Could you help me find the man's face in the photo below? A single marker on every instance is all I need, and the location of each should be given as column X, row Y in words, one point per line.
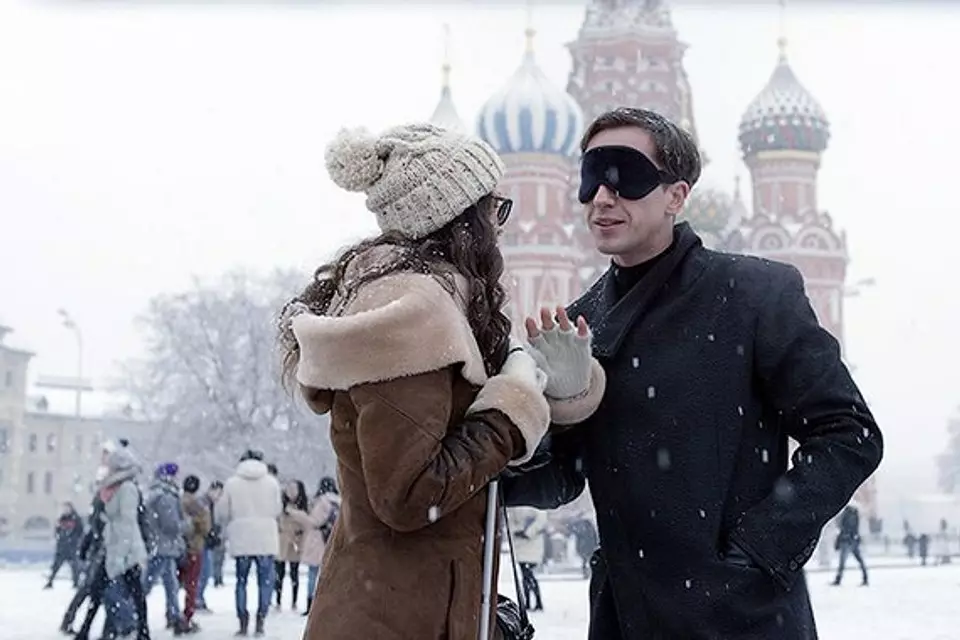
column 215, row 494
column 633, row 231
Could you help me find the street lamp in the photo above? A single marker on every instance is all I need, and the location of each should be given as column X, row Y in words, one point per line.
column 69, row 323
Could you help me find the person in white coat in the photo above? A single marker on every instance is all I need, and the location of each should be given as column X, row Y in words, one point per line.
column 248, row 512
column 528, row 527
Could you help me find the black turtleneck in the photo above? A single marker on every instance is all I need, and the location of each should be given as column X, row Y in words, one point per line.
column 624, row 278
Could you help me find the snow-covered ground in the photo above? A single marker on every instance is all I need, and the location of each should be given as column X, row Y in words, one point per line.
column 909, row 603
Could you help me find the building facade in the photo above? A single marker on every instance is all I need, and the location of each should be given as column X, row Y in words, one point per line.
column 47, row 458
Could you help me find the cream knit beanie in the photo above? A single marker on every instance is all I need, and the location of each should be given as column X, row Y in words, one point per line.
column 418, row 177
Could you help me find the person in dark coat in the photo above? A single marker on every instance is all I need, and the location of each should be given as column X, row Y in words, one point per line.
column 92, row 553
column 848, row 542
column 585, row 535
column 712, row 361
column 69, row 533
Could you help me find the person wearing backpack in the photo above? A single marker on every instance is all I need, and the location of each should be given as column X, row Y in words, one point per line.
column 318, row 525
column 167, row 527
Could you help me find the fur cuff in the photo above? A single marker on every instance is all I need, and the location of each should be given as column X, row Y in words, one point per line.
column 568, row 411
column 524, row 405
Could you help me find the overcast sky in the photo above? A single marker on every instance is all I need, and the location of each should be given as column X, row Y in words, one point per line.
column 140, row 146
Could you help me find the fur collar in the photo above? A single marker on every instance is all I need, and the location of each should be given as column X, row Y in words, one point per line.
column 399, row 325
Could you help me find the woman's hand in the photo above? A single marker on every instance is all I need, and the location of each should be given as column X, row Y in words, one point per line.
column 562, row 351
column 522, row 366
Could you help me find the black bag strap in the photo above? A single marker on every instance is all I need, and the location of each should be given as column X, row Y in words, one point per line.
column 521, row 600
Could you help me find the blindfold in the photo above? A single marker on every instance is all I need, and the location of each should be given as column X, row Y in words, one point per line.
column 623, row 170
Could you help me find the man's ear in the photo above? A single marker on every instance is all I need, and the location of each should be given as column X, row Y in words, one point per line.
column 676, row 197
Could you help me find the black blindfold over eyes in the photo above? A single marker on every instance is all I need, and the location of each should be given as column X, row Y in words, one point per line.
column 624, row 170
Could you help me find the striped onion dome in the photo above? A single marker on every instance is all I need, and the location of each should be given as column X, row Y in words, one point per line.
column 531, row 114
column 784, row 116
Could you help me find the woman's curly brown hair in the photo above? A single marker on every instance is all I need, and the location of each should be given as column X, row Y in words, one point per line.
column 466, row 247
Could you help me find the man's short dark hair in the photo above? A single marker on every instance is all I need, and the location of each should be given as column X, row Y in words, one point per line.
column 191, row 484
column 677, row 151
column 252, row 454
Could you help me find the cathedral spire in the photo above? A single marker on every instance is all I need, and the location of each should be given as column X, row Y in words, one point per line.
column 445, row 115
column 445, row 68
column 529, row 32
column 782, row 39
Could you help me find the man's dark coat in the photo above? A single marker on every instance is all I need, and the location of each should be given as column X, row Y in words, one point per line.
column 713, row 360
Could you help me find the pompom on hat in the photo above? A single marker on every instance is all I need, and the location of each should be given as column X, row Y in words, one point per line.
column 418, row 177
column 167, row 470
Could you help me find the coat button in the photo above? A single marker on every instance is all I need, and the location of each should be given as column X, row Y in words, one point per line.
column 793, row 565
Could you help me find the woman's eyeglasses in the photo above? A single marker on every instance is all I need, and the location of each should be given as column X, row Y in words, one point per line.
column 504, row 207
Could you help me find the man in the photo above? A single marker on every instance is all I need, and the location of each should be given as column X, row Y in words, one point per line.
column 213, row 548
column 712, row 361
column 198, row 517
column 848, row 543
column 248, row 512
column 69, row 533
column 167, row 528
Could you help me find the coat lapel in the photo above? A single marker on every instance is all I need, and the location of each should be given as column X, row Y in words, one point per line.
column 613, row 319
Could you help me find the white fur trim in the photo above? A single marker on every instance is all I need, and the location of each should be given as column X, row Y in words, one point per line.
column 399, row 325
column 569, row 411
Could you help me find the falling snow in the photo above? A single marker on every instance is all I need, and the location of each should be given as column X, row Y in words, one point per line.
column 663, row 459
column 651, row 392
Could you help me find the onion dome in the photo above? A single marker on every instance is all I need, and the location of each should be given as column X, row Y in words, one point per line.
column 784, row 116
column 708, row 210
column 531, row 114
column 445, row 115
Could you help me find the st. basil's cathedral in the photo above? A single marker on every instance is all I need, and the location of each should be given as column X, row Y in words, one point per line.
column 628, row 53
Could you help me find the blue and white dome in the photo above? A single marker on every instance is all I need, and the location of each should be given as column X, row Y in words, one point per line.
column 531, row 114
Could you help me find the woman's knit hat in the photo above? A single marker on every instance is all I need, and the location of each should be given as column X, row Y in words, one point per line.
column 167, row 470
column 418, row 177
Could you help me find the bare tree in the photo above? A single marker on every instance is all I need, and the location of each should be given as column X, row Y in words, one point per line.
column 949, row 461
column 210, row 379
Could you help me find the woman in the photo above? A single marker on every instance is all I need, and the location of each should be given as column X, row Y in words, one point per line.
column 291, row 534
column 403, row 341
column 125, row 553
column 317, row 526
column 529, row 529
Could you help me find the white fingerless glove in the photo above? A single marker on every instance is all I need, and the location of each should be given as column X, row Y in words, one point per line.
column 566, row 359
column 522, row 366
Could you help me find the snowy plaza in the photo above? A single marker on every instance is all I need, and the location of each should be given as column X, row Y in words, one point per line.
column 903, row 602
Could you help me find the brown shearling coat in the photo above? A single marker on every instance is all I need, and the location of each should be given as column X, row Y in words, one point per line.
column 419, row 431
